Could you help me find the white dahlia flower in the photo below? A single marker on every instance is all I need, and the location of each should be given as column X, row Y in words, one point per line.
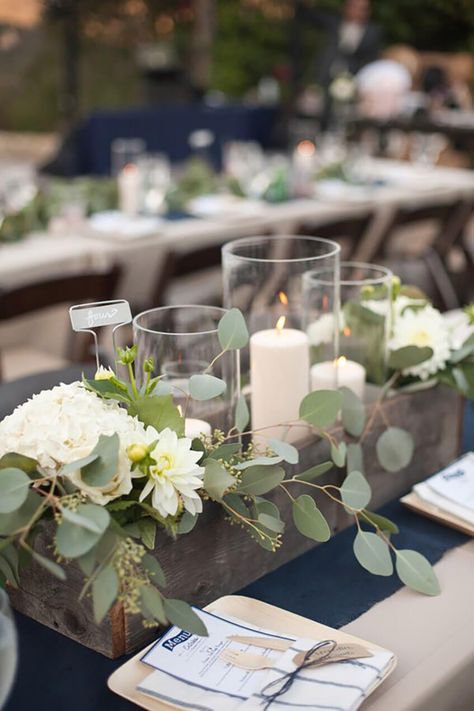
column 459, row 326
column 423, row 327
column 62, row 425
column 174, row 479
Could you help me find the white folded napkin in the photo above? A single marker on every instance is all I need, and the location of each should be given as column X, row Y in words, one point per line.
column 452, row 489
column 340, row 686
column 190, row 674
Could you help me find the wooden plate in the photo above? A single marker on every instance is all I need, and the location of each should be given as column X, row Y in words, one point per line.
column 124, row 681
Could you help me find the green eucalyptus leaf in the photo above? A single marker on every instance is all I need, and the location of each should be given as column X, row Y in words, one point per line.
column 78, row 464
column 237, row 504
column 87, row 562
column 11, row 522
column 353, row 412
column 187, row 522
column 416, row 572
column 273, row 523
column 49, row 565
column 10, row 553
column 72, row 540
column 152, row 604
column 408, row 356
column 286, row 451
column 154, row 569
column 225, row 451
column 418, row 386
column 258, row 461
column 259, row 479
column 309, row 520
column 158, row 411
column 373, row 553
column 232, row 331
column 162, row 388
column 217, row 479
column 355, row 491
column 147, row 528
column 242, row 414
column 182, row 615
column 14, row 486
column 100, row 471
column 78, row 520
column 315, row 472
column 395, row 449
column 18, row 461
column 338, row 453
column 382, row 522
column 266, row 506
column 354, row 458
column 205, row 387
column 7, row 572
column 321, row 407
column 104, row 592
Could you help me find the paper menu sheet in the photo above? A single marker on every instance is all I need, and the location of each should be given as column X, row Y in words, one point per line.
column 191, row 666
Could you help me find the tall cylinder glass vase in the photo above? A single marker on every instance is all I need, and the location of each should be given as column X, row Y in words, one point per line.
column 348, row 337
column 183, row 341
column 263, row 277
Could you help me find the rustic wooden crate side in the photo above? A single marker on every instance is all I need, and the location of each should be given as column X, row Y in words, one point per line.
column 217, row 558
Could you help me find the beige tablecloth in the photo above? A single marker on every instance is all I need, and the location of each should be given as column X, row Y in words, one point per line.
column 433, row 638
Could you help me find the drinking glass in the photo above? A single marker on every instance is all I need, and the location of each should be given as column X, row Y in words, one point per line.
column 155, row 171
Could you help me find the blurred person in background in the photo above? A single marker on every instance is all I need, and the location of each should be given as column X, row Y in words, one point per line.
column 351, row 42
column 384, row 86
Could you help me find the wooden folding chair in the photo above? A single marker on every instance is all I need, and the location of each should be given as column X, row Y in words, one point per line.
column 347, row 232
column 39, row 295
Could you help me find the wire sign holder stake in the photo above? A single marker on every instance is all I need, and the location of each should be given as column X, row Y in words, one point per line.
column 88, row 317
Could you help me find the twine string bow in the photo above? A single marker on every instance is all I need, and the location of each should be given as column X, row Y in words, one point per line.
column 309, row 660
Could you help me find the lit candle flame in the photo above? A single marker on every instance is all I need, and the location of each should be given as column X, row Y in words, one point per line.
column 306, row 148
column 342, row 360
column 180, row 410
column 346, row 331
column 283, row 298
column 280, row 324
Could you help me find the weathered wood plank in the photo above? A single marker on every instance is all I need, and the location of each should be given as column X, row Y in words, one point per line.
column 217, row 558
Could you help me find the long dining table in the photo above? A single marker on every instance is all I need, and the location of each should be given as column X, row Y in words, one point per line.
column 391, row 185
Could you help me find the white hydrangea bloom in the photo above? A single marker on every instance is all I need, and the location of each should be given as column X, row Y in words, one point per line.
column 423, row 327
column 61, row 425
column 176, row 476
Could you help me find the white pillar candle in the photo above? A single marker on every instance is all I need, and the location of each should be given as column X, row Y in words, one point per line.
column 129, row 189
column 195, row 428
column 279, row 373
column 333, row 374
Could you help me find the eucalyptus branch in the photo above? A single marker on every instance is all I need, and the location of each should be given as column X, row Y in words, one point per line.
column 247, row 521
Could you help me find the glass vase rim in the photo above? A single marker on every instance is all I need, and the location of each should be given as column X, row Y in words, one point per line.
column 384, row 274
column 207, row 307
column 226, row 249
